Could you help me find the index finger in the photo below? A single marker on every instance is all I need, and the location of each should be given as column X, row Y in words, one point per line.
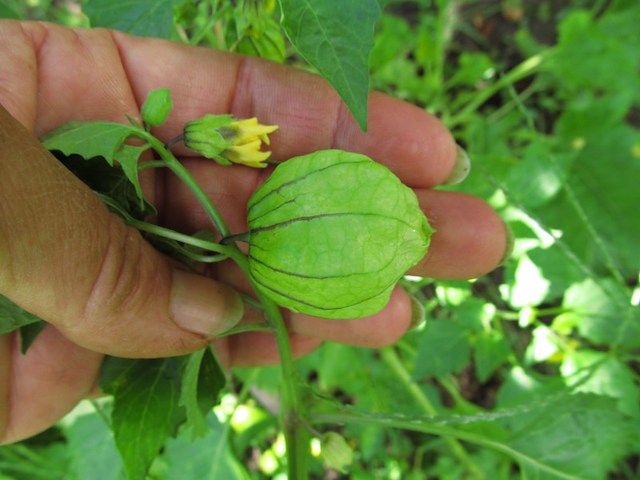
column 311, row 116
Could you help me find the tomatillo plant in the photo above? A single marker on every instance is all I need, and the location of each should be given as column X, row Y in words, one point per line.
column 329, row 234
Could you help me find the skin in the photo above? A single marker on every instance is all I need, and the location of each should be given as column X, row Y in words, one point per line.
column 101, row 288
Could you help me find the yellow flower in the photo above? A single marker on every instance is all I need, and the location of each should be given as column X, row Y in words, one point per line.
column 227, row 140
column 247, row 137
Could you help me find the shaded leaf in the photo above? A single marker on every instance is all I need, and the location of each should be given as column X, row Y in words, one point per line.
column 28, row 334
column 127, row 157
column 201, row 385
column 336, row 37
column 443, row 349
column 110, row 181
column 13, row 317
column 491, row 351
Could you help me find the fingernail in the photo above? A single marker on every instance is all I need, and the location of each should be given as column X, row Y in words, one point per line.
column 203, row 306
column 418, row 314
column 461, row 167
column 509, row 244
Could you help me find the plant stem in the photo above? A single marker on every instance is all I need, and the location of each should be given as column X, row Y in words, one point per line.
column 296, row 437
column 393, row 361
column 183, row 174
column 292, row 416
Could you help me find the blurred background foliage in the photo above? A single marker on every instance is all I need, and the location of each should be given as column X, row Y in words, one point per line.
column 530, row 372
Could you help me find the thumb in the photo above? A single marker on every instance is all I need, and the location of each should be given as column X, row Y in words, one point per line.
column 65, row 258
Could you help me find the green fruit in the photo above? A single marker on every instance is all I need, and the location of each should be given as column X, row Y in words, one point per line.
column 331, row 233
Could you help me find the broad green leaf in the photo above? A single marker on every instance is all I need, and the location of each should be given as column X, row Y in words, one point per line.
column 156, row 107
column 127, row 157
column 600, row 312
column 539, row 175
column 581, row 36
column 145, row 18
column 582, row 436
column 208, row 458
column 604, row 374
column 541, row 275
column 491, row 351
column 89, row 139
column 90, row 446
column 7, row 12
column 443, row 349
column 13, row 317
column 336, row 37
column 202, row 382
column 331, row 233
column 146, row 410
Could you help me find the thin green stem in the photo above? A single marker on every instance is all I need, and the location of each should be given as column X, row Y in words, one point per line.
column 163, row 232
column 183, row 174
column 254, row 327
column 392, row 360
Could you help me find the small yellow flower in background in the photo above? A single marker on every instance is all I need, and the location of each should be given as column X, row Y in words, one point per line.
column 228, row 140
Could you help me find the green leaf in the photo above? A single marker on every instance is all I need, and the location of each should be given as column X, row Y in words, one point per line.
column 443, row 349
column 336, row 37
column 602, row 373
column 491, row 351
column 600, row 317
column 156, row 107
column 110, row 181
column 541, row 275
column 7, row 12
column 606, row 191
column 210, row 457
column 89, row 139
column 90, row 445
column 201, row 385
column 28, row 334
column 331, row 233
column 146, row 410
column 580, row 435
column 127, row 157
column 13, row 317
column 145, row 18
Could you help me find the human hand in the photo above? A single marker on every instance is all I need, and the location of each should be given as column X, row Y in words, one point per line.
column 100, row 287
